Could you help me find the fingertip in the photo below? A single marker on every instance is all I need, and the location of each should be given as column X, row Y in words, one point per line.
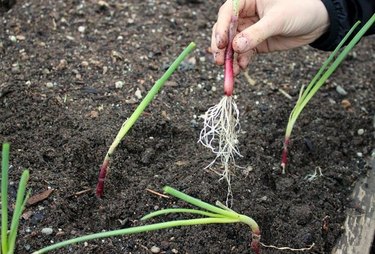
column 221, row 40
column 241, row 43
column 219, row 57
column 245, row 59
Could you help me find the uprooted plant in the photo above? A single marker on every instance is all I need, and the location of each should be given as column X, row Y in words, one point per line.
column 104, row 169
column 323, row 74
column 218, row 214
column 9, row 235
column 221, row 122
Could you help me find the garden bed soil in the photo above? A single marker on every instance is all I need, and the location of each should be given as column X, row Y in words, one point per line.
column 72, row 71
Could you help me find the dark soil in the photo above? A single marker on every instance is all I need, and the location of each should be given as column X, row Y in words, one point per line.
column 60, row 110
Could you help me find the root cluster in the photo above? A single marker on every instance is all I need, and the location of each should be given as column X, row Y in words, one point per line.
column 219, row 133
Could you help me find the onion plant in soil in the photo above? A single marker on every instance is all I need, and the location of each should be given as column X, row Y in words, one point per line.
column 104, row 169
column 221, row 122
column 327, row 69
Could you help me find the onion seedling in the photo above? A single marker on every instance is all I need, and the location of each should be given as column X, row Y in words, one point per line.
column 219, row 214
column 8, row 236
column 136, row 114
column 221, row 122
column 323, row 74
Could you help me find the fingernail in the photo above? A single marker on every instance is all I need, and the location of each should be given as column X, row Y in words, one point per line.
column 218, row 40
column 241, row 43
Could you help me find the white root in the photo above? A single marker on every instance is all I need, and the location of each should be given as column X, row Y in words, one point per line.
column 312, row 177
column 219, row 133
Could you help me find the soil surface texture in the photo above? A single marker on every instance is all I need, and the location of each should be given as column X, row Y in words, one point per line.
column 71, row 72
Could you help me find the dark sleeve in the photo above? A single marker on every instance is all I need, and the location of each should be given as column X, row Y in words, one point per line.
column 343, row 14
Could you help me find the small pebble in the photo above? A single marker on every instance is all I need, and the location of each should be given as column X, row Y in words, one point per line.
column 20, row 37
column 353, row 54
column 70, row 38
column 340, row 90
column 49, row 85
column 47, row 231
column 346, row 104
column 105, row 69
column 15, row 68
column 361, row 132
column 264, row 198
column 138, row 94
column 155, row 249
column 13, row 38
column 131, row 101
column 119, row 84
column 103, row 4
column 62, row 64
column 332, row 101
column 85, row 63
column 81, row 29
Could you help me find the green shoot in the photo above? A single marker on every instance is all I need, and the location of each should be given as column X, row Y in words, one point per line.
column 136, row 114
column 323, row 74
column 8, row 239
column 211, row 215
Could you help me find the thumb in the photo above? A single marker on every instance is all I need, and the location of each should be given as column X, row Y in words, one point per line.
column 252, row 36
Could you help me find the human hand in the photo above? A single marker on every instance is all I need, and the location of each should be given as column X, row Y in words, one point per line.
column 266, row 26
